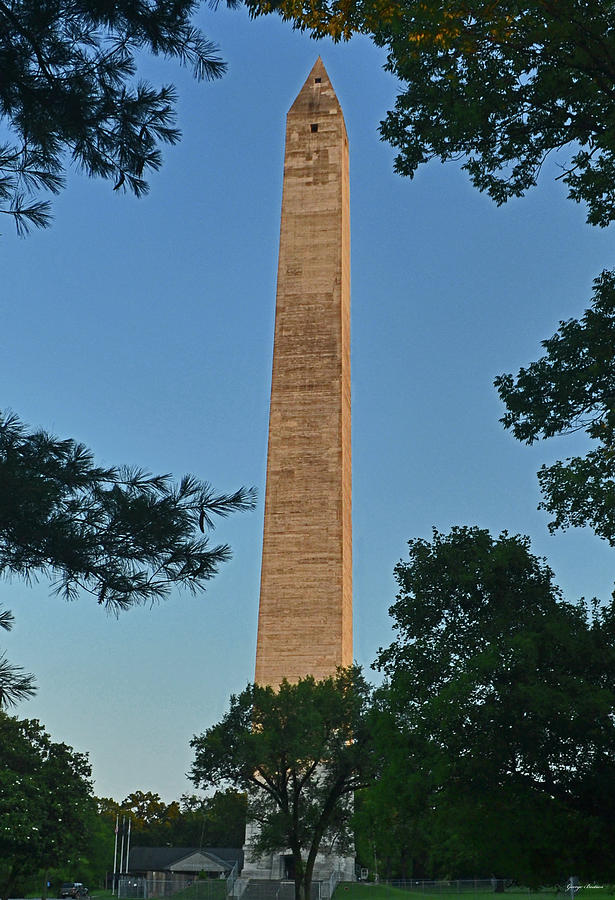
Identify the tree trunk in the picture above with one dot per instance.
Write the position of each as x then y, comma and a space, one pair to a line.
299, 873
306, 893
309, 871
6, 886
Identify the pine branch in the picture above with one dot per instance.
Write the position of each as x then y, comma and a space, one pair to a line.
15, 684
121, 534
68, 90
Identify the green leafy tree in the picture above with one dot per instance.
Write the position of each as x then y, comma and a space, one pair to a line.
498, 85
46, 804
503, 695
147, 810
572, 388
95, 860
391, 820
217, 821
300, 753
89, 865
152, 821
70, 92
120, 534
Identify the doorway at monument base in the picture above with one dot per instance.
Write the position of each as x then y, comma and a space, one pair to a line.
279, 866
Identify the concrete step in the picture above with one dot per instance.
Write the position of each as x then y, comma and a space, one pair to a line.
268, 889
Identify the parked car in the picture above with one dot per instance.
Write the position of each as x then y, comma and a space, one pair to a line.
73, 889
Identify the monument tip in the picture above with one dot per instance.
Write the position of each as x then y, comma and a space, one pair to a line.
317, 90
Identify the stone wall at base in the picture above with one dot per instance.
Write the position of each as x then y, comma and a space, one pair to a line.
272, 866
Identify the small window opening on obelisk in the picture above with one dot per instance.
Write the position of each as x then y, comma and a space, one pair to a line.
314, 127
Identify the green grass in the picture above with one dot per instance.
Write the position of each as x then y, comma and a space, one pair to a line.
207, 889
95, 894
362, 890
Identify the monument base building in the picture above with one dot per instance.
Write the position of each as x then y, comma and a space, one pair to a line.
279, 866
305, 610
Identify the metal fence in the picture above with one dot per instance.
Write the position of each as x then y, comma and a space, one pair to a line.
138, 888
285, 890
131, 888
181, 888
458, 886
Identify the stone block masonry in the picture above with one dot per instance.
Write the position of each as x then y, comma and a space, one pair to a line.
305, 613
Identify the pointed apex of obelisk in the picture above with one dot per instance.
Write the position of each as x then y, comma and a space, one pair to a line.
317, 94
318, 70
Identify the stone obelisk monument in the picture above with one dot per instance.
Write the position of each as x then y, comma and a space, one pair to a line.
305, 613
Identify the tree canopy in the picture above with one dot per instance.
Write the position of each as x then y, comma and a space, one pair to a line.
191, 821
498, 85
502, 696
46, 803
300, 753
70, 93
572, 388
215, 821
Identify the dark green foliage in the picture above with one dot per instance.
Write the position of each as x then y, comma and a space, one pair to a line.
502, 86
120, 534
46, 804
501, 715
93, 863
151, 818
217, 821
300, 753
572, 388
15, 684
69, 92
391, 834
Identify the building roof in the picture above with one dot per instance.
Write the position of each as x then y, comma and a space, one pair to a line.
157, 859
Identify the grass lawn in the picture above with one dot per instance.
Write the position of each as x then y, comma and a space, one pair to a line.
362, 890
206, 889
95, 894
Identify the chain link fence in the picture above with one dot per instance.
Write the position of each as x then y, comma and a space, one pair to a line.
135, 888
131, 888
457, 886
190, 888
285, 890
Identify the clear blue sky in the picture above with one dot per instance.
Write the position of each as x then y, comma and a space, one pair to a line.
144, 328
